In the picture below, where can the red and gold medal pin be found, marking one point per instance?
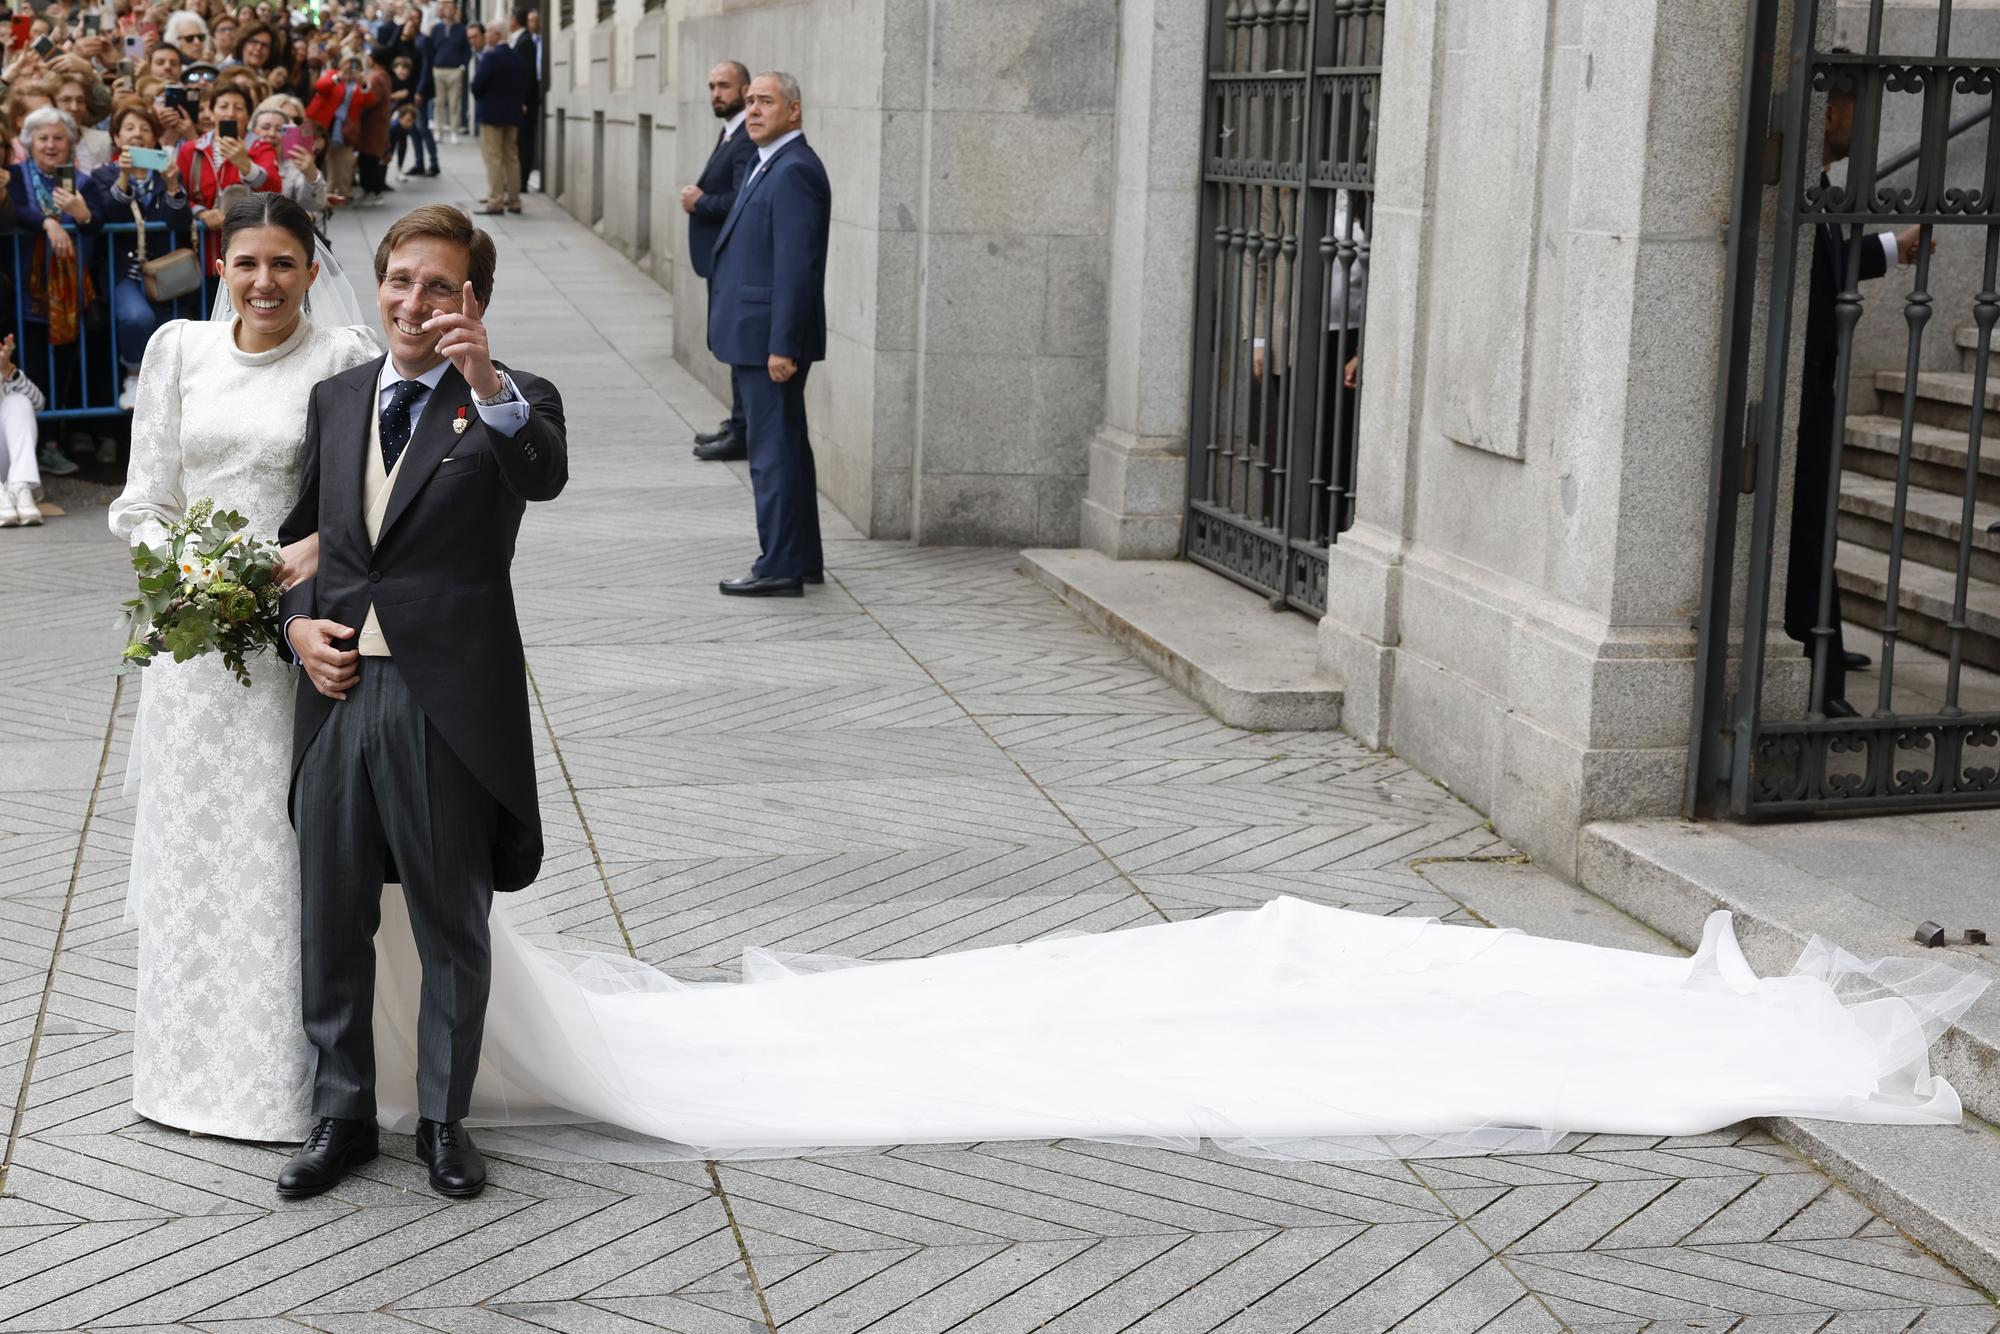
(458, 427)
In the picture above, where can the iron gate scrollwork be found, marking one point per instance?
(1287, 212)
(1888, 530)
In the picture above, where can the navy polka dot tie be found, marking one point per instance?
(396, 421)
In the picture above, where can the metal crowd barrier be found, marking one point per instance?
(97, 378)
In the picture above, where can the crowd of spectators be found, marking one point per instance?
(129, 112)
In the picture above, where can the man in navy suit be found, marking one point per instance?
(706, 203)
(767, 320)
(500, 92)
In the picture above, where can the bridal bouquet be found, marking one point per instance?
(214, 590)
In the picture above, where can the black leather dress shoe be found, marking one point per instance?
(1856, 662)
(719, 451)
(335, 1145)
(765, 586)
(1840, 708)
(721, 432)
(457, 1167)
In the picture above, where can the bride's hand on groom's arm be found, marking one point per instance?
(331, 670)
(297, 562)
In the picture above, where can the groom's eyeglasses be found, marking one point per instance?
(436, 291)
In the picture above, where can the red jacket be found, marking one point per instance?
(211, 181)
(325, 105)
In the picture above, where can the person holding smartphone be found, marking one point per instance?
(146, 180)
(297, 148)
(225, 156)
(58, 274)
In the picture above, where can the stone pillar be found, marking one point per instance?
(1137, 492)
(1514, 611)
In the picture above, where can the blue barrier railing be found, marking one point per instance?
(81, 378)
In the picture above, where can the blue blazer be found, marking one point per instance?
(500, 87)
(727, 166)
(767, 290)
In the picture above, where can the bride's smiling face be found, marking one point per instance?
(268, 276)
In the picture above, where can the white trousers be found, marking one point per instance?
(17, 441)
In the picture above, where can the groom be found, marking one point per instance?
(412, 758)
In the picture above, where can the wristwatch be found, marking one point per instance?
(506, 395)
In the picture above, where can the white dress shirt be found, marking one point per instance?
(732, 125)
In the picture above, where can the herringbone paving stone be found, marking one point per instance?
(929, 753)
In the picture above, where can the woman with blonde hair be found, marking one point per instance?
(298, 170)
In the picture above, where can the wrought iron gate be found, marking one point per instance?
(1287, 212)
(1891, 497)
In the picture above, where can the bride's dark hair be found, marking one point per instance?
(268, 210)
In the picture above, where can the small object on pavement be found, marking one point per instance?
(1975, 935)
(1930, 935)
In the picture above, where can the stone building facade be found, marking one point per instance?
(1012, 293)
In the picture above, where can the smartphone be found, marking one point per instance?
(24, 27)
(229, 129)
(93, 24)
(66, 178)
(150, 159)
(175, 97)
(127, 70)
(43, 46)
(135, 48)
(296, 136)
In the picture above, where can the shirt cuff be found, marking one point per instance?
(1891, 250)
(508, 415)
(285, 638)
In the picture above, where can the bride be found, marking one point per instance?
(1294, 1030)
(220, 411)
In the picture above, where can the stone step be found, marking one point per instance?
(1937, 455)
(1924, 599)
(1216, 641)
(1936, 1183)
(1944, 398)
(1966, 340)
(1931, 525)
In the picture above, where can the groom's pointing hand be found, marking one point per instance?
(464, 343)
(331, 670)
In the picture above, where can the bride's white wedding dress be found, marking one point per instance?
(216, 1044)
(1295, 1030)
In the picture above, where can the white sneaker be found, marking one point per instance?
(8, 516)
(26, 512)
(128, 393)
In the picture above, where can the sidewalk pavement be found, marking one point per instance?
(929, 753)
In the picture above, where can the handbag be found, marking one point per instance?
(173, 275)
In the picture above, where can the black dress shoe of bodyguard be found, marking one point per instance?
(1840, 708)
(765, 586)
(1856, 662)
(721, 432)
(457, 1167)
(720, 451)
(335, 1145)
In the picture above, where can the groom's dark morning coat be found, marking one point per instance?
(438, 578)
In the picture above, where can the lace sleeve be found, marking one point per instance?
(153, 495)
